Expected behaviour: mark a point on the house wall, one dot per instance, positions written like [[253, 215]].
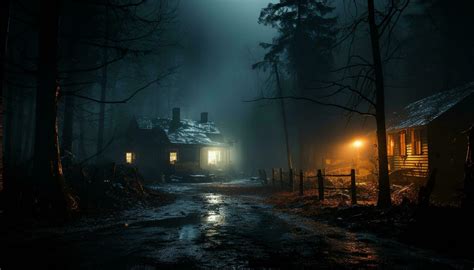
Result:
[[188, 159], [448, 146], [417, 164], [150, 157]]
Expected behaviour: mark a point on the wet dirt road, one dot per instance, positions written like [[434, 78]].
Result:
[[208, 229]]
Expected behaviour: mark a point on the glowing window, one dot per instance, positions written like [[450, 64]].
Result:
[[213, 157], [129, 157], [173, 157], [390, 145], [403, 143], [416, 142]]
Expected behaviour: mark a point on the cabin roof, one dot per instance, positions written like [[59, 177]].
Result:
[[423, 111], [187, 132]]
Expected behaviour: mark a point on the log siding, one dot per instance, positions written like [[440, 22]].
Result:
[[417, 165]]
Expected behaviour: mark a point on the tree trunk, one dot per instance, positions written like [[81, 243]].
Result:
[[4, 26], [67, 134], [16, 118], [82, 136], [283, 116], [103, 85], [28, 127], [48, 174], [384, 199]]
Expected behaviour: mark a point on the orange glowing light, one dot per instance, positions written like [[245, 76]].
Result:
[[357, 143]]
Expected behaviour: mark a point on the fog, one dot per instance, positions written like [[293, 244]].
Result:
[[210, 46]]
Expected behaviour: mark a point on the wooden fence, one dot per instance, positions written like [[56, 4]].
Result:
[[286, 180]]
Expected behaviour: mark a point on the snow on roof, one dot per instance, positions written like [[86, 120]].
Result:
[[188, 131], [423, 111]]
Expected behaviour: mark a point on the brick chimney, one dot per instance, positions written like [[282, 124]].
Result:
[[176, 116], [204, 117], [176, 119]]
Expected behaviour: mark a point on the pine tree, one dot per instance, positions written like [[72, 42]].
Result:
[[306, 32]]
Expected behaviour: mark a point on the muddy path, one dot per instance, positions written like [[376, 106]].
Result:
[[205, 228]]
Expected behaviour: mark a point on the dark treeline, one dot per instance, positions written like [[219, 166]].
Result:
[[69, 66], [63, 65]]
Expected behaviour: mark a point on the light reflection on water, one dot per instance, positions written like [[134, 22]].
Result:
[[213, 198], [216, 213], [214, 217]]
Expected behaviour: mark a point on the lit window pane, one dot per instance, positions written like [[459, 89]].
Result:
[[403, 145], [173, 157], [129, 157], [213, 157]]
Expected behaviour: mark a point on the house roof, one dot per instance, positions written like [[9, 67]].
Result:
[[187, 132], [423, 111]]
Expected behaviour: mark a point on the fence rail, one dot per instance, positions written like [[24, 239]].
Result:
[[278, 175]]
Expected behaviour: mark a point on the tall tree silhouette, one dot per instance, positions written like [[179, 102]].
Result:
[[306, 32], [362, 79], [47, 164]]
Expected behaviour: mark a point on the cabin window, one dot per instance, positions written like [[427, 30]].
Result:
[[403, 143], [416, 142], [213, 157], [390, 145], [173, 157], [129, 157]]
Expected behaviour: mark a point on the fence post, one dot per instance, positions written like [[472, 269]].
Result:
[[291, 180], [264, 175], [320, 185], [281, 178], [273, 177], [301, 182], [353, 187]]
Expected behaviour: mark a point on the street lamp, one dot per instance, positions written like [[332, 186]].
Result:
[[357, 144]]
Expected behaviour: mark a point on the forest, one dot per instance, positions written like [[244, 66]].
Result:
[[236, 134]]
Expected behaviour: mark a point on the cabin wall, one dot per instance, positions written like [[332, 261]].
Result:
[[448, 146], [188, 159], [417, 165], [149, 153]]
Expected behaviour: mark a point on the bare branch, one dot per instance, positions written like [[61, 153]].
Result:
[[138, 90], [348, 87], [352, 110], [350, 66], [96, 67]]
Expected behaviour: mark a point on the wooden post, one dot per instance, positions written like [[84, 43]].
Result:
[[264, 175], [320, 185], [353, 187], [301, 182], [291, 179], [273, 177], [281, 178]]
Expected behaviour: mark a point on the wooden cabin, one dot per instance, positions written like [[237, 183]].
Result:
[[163, 147], [428, 134]]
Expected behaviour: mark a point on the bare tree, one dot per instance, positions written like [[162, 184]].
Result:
[[48, 173], [103, 83], [129, 29], [4, 23], [283, 115], [364, 80]]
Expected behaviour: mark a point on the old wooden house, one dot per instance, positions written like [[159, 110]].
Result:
[[161, 146], [428, 134]]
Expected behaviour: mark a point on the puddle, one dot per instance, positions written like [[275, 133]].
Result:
[[213, 198], [189, 233]]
